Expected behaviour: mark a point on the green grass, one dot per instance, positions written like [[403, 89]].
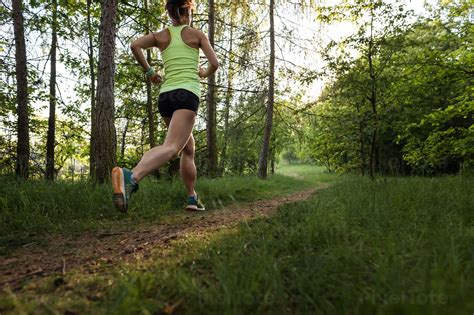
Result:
[[392, 246], [29, 209], [309, 173], [395, 246]]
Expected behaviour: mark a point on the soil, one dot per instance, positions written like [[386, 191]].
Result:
[[59, 254]]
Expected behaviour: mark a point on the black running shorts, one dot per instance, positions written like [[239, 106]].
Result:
[[171, 101]]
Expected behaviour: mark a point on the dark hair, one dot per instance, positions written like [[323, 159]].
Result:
[[178, 8]]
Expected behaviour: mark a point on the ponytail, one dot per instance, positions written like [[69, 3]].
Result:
[[177, 8]]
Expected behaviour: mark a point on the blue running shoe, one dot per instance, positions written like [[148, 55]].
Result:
[[194, 204]]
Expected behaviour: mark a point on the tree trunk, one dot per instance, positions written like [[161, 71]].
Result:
[[211, 104], [149, 100], [263, 160], [373, 104], [124, 136], [149, 107], [92, 78], [151, 114], [272, 153], [361, 141], [229, 95], [361, 152], [51, 138], [272, 159], [173, 168], [104, 137], [73, 168], [23, 146]]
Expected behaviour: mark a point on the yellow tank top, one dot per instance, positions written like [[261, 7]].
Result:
[[181, 64]]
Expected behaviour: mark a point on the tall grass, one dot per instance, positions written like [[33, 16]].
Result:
[[394, 246], [391, 246], [34, 207]]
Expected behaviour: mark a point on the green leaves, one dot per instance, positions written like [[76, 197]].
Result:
[[423, 81], [442, 137]]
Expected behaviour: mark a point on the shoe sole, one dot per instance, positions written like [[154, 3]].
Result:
[[118, 184], [194, 208]]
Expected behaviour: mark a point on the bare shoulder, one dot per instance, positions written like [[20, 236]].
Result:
[[192, 37], [162, 35], [197, 33], [162, 39]]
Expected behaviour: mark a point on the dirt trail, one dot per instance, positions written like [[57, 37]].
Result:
[[89, 252]]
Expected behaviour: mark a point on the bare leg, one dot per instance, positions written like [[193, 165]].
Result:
[[179, 131], [187, 166]]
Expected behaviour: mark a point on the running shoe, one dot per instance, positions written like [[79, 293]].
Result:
[[123, 186], [194, 204]]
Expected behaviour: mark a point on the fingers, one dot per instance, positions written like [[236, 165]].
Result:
[[202, 72], [156, 79]]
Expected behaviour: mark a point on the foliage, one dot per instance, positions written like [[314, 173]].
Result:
[[419, 118], [397, 95]]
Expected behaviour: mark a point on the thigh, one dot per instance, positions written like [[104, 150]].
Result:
[[180, 128], [189, 148]]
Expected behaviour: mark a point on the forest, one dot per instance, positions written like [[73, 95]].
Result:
[[395, 95], [334, 150]]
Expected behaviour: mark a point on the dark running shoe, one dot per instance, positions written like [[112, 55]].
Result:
[[123, 186], [194, 204]]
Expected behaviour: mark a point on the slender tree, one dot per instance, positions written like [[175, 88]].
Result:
[[51, 138], [90, 53], [229, 95], [374, 156], [263, 159], [23, 145], [211, 103], [124, 136], [104, 137], [149, 100]]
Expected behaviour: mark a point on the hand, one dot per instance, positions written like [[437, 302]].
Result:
[[202, 73], [156, 79]]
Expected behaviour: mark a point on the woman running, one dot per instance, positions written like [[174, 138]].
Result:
[[178, 101]]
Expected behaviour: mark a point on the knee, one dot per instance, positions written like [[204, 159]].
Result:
[[172, 150]]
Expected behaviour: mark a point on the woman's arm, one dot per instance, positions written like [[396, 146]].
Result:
[[137, 45], [210, 54]]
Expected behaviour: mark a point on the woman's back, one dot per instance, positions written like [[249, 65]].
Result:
[[179, 47]]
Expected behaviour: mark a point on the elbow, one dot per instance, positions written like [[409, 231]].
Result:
[[215, 64], [134, 46]]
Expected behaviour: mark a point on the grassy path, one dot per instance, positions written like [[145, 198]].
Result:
[[96, 251], [396, 245]]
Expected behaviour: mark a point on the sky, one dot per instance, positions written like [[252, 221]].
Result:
[[309, 28]]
